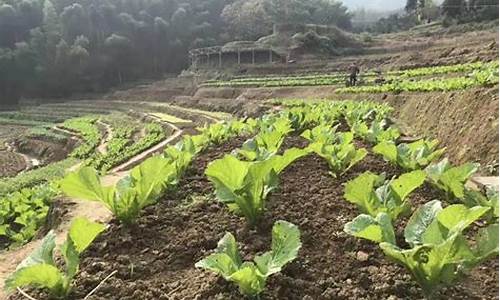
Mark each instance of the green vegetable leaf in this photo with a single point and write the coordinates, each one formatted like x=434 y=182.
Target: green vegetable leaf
x=407 y=183
x=84 y=184
x=40 y=275
x=249 y=280
x=284 y=248
x=420 y=221
x=487 y=242
x=43 y=254
x=360 y=191
x=377 y=229
x=458 y=217
x=388 y=150
x=82 y=232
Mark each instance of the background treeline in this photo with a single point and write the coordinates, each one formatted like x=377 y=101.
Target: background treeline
x=53 y=48
x=417 y=12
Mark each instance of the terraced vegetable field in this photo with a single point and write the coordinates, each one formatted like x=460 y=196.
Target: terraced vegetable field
x=418 y=79
x=318 y=200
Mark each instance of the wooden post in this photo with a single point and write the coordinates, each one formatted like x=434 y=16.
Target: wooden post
x=253 y=56
x=239 y=57
x=270 y=56
x=208 y=59
x=220 y=59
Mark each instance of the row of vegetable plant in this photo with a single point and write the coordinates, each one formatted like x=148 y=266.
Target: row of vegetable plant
x=439 y=253
x=87 y=128
x=339 y=77
x=481 y=77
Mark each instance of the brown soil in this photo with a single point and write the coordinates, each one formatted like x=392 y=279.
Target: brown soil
x=155 y=259
x=11 y=163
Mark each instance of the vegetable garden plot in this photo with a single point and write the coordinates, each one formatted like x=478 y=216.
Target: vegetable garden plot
x=311 y=177
x=368 y=76
x=330 y=263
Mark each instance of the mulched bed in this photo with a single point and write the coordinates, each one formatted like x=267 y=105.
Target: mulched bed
x=155 y=259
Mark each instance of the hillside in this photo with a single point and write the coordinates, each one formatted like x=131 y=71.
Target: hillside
x=264 y=175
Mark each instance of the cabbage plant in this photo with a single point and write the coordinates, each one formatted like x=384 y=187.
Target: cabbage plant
x=131 y=194
x=267 y=142
x=412 y=156
x=439 y=252
x=373 y=194
x=40 y=268
x=377 y=132
x=251 y=276
x=451 y=179
x=340 y=155
x=243 y=186
x=323 y=133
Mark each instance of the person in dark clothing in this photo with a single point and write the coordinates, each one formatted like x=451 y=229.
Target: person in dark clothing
x=353 y=74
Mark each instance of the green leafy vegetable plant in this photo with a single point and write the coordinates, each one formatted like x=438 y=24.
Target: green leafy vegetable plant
x=323 y=133
x=40 y=269
x=244 y=186
x=376 y=133
x=267 y=142
x=490 y=199
x=251 y=276
x=439 y=252
x=341 y=155
x=373 y=194
x=410 y=156
x=451 y=179
x=131 y=194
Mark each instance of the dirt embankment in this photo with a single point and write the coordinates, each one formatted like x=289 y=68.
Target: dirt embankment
x=45 y=151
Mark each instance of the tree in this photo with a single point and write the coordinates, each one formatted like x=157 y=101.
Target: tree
x=247 y=19
x=8 y=29
x=411 y=6
x=287 y=11
x=74 y=21
x=119 y=49
x=485 y=9
x=453 y=8
x=328 y=12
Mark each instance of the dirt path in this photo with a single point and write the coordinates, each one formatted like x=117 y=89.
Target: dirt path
x=103 y=147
